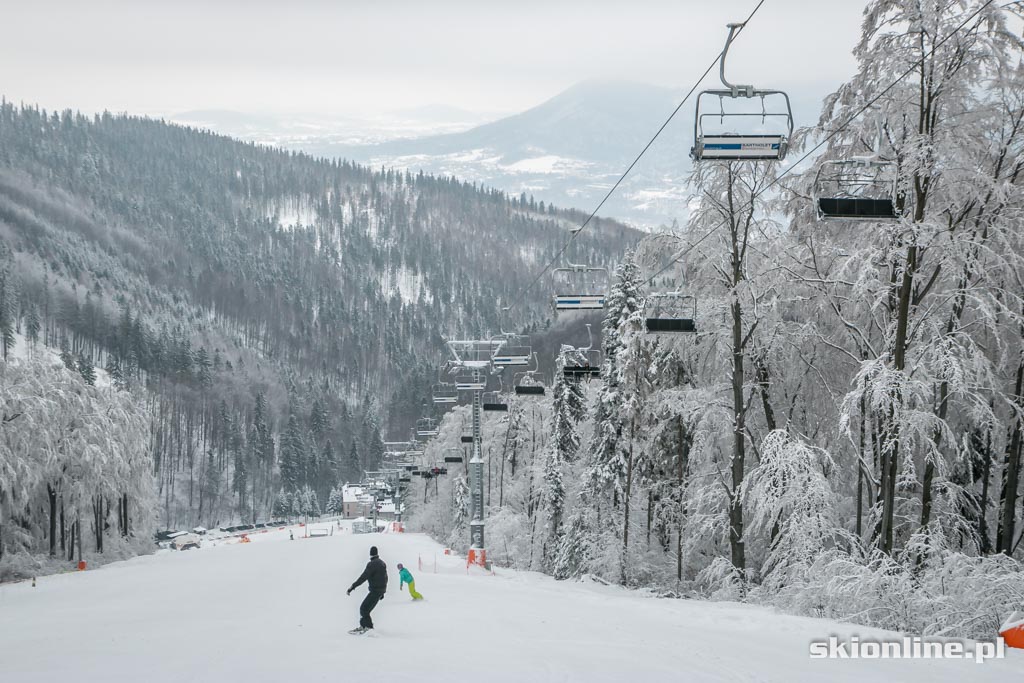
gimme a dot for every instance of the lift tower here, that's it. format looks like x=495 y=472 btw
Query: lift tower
x=470 y=359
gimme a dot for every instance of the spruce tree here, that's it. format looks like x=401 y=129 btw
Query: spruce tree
x=293 y=455
x=353 y=467
x=85 y=369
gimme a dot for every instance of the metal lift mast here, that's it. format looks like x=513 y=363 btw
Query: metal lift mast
x=475 y=355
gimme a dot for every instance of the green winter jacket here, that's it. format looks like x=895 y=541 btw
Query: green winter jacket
x=405 y=576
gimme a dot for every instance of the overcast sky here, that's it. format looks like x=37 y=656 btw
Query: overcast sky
x=354 y=56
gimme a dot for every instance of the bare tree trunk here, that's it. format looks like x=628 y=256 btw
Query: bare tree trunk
x=739 y=444
x=684 y=446
x=985 y=544
x=52 y=495
x=650 y=514
x=860 y=474
x=1005 y=542
x=127 y=517
x=626 y=502
x=736 y=543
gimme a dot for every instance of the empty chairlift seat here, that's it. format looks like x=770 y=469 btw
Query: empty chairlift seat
x=493 y=402
x=579 y=287
x=670 y=325
x=426 y=426
x=670 y=313
x=857 y=189
x=856 y=208
x=748 y=124
x=466 y=381
x=444 y=393
x=514 y=350
x=529 y=382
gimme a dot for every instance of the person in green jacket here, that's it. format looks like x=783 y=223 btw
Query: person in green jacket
x=405 y=577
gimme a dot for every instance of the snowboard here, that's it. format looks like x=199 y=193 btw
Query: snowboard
x=359 y=630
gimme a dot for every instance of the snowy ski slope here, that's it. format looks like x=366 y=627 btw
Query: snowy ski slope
x=276 y=610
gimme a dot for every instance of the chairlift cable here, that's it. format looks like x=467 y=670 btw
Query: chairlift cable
x=832 y=134
x=575 y=232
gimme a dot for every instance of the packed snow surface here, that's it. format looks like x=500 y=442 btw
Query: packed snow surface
x=276 y=610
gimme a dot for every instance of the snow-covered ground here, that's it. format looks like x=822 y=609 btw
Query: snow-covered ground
x=276 y=610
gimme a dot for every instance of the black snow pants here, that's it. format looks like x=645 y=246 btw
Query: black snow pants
x=369 y=602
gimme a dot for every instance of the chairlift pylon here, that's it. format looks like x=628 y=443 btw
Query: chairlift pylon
x=670 y=313
x=472 y=354
x=741 y=141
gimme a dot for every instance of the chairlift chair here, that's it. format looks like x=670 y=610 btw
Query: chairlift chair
x=514 y=350
x=670 y=313
x=741 y=141
x=453 y=455
x=466 y=381
x=857 y=189
x=529 y=382
x=584 y=361
x=493 y=402
x=426 y=426
x=579 y=287
x=444 y=393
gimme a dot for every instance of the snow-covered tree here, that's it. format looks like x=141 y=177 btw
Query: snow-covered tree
x=72 y=447
x=335 y=503
x=283 y=504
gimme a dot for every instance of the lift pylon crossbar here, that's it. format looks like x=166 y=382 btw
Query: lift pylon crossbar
x=473 y=353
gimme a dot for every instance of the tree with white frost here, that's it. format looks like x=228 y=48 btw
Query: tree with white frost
x=71 y=451
x=918 y=300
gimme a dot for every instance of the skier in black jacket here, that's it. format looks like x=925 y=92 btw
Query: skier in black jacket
x=376 y=577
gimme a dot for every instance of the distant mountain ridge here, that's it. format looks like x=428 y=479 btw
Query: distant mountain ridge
x=281 y=310
x=568 y=150
x=593 y=120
